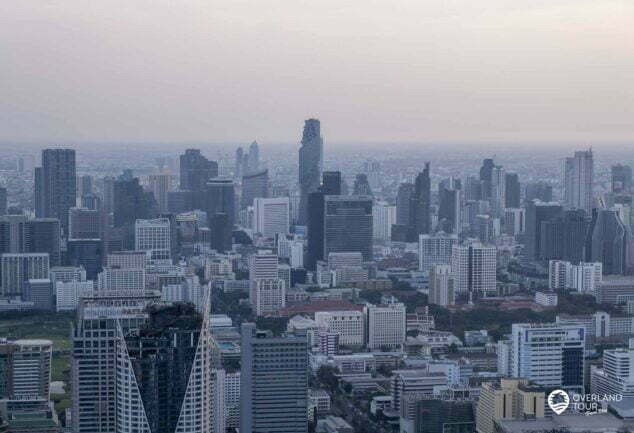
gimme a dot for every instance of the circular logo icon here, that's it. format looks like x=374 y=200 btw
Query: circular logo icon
x=558 y=400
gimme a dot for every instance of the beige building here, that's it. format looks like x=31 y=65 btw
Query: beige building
x=509 y=399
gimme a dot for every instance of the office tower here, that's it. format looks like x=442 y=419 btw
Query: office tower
x=41 y=235
x=472 y=189
x=254 y=157
x=87 y=253
x=101 y=319
x=85 y=223
x=67 y=274
x=617 y=375
x=578 y=178
x=486 y=177
x=56 y=182
x=510 y=399
x=473 y=267
x=38 y=192
x=549 y=354
x=621 y=178
x=18 y=268
x=512 y=190
x=25 y=369
x=435 y=249
x=310 y=164
x=348 y=325
x=154 y=237
x=220 y=198
x=586 y=277
x=293 y=250
x=131 y=203
x=536 y=213
x=127 y=260
x=272 y=216
x=559 y=274
x=439 y=416
x=441 y=290
x=180 y=201
x=84 y=185
x=40 y=293
x=408 y=385
x=449 y=210
x=361 y=185
x=91 y=202
x=383 y=218
x=164 y=373
x=541 y=191
x=3 y=201
x=232 y=399
x=610 y=243
x=237 y=170
x=420 y=205
x=254 y=185
x=108 y=194
x=114 y=279
x=564 y=236
x=67 y=294
x=403 y=203
x=160 y=186
x=386 y=326
x=498 y=191
x=196 y=170
x=221 y=232
x=484 y=228
x=331 y=183
x=514 y=221
x=267 y=291
x=348 y=225
x=274 y=382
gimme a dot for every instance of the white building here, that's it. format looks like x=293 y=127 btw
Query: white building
x=153 y=237
x=514 y=221
x=547 y=299
x=617 y=375
x=578 y=179
x=383 y=217
x=348 y=324
x=121 y=279
x=441 y=290
x=474 y=268
x=271 y=216
x=267 y=296
x=584 y=277
x=386 y=326
x=27 y=368
x=18 y=268
x=549 y=354
x=68 y=293
x=435 y=250
x=291 y=249
x=600 y=324
x=127 y=259
x=232 y=399
x=67 y=273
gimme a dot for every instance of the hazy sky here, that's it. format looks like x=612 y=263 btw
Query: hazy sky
x=391 y=70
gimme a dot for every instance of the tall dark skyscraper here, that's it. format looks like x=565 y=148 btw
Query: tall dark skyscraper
x=610 y=243
x=221 y=232
x=310 y=164
x=331 y=185
x=578 y=180
x=420 y=205
x=254 y=185
x=449 y=210
x=88 y=253
x=512 y=190
x=274 y=382
x=42 y=235
x=539 y=191
x=403 y=203
x=486 y=176
x=195 y=172
x=536 y=213
x=219 y=197
x=348 y=225
x=56 y=185
x=621 y=178
x=3 y=201
x=361 y=185
x=131 y=202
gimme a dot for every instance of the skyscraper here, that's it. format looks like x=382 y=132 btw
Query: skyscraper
x=348 y=225
x=578 y=179
x=254 y=185
x=435 y=249
x=254 y=157
x=219 y=197
x=237 y=171
x=420 y=205
x=539 y=191
x=131 y=202
x=196 y=170
x=486 y=176
x=449 y=210
x=153 y=237
x=315 y=218
x=88 y=253
x=272 y=216
x=56 y=185
x=512 y=197
x=403 y=203
x=160 y=186
x=18 y=269
x=383 y=218
x=361 y=185
x=85 y=224
x=3 y=201
x=621 y=178
x=610 y=243
x=498 y=191
x=310 y=164
x=536 y=213
x=386 y=326
x=331 y=183
x=473 y=268
x=441 y=290
x=274 y=382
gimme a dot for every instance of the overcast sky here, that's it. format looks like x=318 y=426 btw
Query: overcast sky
x=372 y=71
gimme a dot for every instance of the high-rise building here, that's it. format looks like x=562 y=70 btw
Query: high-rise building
x=267 y=291
x=498 y=191
x=196 y=170
x=621 y=178
x=164 y=377
x=435 y=249
x=486 y=177
x=220 y=198
x=87 y=253
x=221 y=232
x=403 y=203
x=383 y=218
x=484 y=229
x=331 y=183
x=310 y=164
x=154 y=237
x=272 y=216
x=610 y=243
x=514 y=221
x=131 y=203
x=361 y=185
x=541 y=191
x=564 y=236
x=441 y=290
x=348 y=225
x=40 y=235
x=25 y=369
x=349 y=325
x=420 y=205
x=18 y=268
x=160 y=186
x=57 y=185
x=578 y=179
x=473 y=268
x=449 y=210
x=3 y=201
x=237 y=170
x=274 y=382
x=254 y=185
x=617 y=375
x=85 y=223
x=536 y=213
x=549 y=354
x=386 y=326
x=512 y=193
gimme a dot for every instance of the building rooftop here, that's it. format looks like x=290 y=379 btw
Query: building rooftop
x=598 y=423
